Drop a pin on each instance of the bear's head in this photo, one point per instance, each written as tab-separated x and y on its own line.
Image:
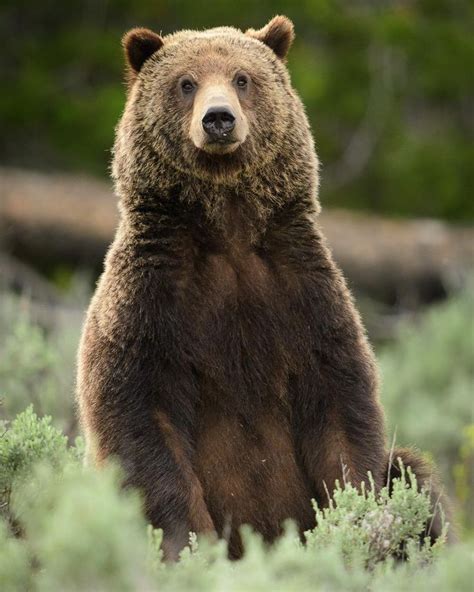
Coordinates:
213	105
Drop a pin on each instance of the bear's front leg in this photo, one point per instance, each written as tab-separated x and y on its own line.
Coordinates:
338	437
137	407
337	419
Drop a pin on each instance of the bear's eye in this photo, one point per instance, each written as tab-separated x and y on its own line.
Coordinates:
187	86
242	81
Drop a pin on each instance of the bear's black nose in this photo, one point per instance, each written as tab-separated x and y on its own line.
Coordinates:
218	122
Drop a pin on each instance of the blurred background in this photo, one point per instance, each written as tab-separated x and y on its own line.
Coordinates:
388	87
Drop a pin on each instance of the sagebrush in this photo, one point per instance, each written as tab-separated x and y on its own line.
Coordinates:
80	531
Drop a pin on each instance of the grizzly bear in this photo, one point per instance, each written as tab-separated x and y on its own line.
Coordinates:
223	361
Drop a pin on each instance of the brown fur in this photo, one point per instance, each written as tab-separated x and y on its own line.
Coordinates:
199	518
223	360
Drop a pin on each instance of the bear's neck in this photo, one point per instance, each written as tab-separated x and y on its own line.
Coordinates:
222	215
157	199
252	196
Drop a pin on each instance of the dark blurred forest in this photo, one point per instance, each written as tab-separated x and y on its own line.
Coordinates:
388	87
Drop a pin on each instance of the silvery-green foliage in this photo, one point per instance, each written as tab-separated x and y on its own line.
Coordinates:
15	571
81	532
27	366
369	527
37	365
27	441
428	376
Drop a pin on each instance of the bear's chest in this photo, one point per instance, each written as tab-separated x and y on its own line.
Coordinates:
243	276
239	329
228	267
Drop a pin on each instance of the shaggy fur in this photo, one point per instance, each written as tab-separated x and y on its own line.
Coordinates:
222	360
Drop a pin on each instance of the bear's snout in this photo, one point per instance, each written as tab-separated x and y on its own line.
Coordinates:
218	123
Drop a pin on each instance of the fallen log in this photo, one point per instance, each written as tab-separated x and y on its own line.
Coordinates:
53	219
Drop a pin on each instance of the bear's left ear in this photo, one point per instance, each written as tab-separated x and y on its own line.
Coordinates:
278	34
139	45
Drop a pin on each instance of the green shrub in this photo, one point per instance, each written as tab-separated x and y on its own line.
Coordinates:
28	441
428	378
81	532
36	365
15	572
463	472
373	527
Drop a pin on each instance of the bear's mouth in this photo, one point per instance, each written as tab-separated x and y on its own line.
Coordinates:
220	160
221	146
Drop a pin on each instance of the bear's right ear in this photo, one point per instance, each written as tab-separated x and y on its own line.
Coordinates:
139	45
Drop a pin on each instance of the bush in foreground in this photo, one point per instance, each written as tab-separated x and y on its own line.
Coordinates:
79	531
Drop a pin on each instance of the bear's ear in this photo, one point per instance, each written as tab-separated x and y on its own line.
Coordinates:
278	34
139	45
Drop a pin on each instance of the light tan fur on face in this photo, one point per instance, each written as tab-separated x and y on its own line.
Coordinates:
216	90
